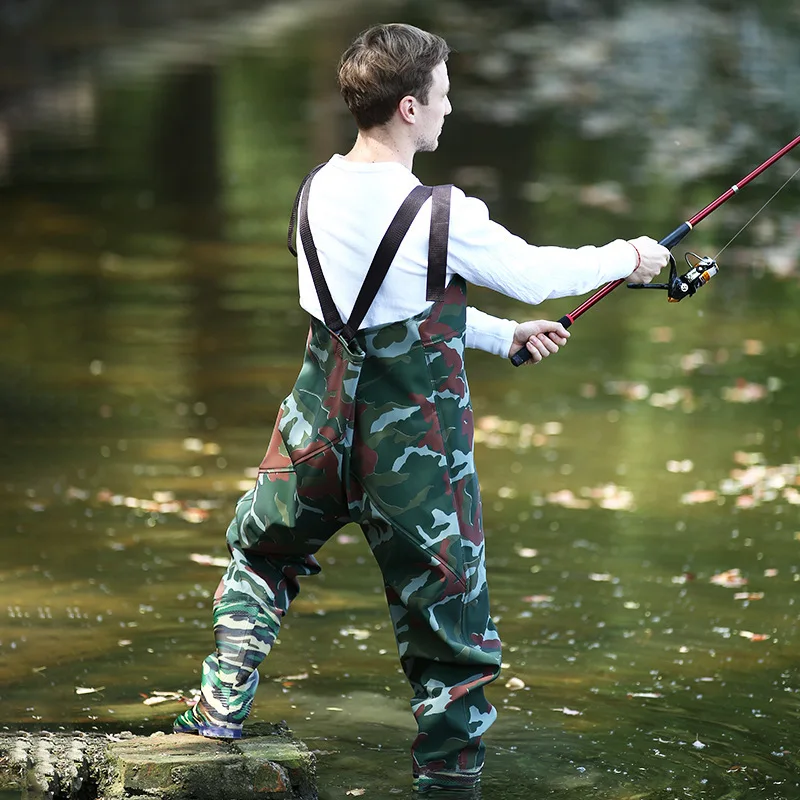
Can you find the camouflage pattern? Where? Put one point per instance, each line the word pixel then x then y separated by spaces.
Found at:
pixel 379 432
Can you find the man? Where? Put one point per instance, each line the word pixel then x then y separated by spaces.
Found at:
pixel 378 429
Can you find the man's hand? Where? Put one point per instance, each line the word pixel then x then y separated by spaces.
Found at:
pixel 651 259
pixel 541 337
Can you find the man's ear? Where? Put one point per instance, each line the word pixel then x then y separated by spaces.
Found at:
pixel 407 109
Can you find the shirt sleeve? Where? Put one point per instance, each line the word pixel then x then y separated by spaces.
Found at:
pixel 492 334
pixel 487 254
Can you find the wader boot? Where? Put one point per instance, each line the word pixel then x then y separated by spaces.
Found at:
pixel 378 430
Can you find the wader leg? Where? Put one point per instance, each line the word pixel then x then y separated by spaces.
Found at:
pixel 252 597
pixel 449 651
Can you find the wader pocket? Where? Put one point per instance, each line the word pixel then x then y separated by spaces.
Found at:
pixel 298 501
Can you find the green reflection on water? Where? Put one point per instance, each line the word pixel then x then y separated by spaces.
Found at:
pixel 150 333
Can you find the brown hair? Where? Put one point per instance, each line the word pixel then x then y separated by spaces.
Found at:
pixel 385 64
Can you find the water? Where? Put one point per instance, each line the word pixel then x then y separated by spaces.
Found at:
pixel 150 328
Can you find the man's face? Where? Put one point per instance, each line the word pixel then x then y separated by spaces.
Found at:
pixel 431 116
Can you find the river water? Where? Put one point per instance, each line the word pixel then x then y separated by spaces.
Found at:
pixel 641 488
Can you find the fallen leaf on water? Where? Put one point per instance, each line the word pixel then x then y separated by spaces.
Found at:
pixel 694 360
pixel 699 496
pixel 570 712
pixel 748 596
pixel 155 698
pixel 357 633
pixel 748 459
pixel 194 515
pixel 209 561
pixel 355 792
pixel 537 598
pixel 299 677
pixel 730 579
pixel 754 637
pixel 567 499
pixel 744 392
pixel 630 390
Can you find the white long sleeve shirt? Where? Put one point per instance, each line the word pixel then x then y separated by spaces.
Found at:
pixel 351 205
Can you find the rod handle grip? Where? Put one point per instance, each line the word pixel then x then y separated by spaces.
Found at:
pixel 523 354
pixel 671 239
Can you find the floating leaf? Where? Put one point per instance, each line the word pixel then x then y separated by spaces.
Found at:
pixel 359 634
pixel 699 496
pixel 194 515
pixel 209 561
pixel 567 499
pixel 355 792
pixel 744 392
pixel 538 598
pixel 748 596
pixel 730 579
pixel 754 637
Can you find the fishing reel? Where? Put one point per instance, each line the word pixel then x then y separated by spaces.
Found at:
pixel 700 272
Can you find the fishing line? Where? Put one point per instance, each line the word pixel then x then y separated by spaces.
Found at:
pixel 797 171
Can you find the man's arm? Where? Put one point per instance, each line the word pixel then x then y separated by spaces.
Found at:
pixel 486 254
pixel 504 336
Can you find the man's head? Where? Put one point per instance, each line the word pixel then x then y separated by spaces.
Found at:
pixel 397 67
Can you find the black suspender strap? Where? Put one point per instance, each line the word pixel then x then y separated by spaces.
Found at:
pixel 384 255
pixel 386 252
pixel 330 314
pixel 437 244
pixel 293 219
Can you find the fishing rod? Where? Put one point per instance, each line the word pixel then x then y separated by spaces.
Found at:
pixel 700 271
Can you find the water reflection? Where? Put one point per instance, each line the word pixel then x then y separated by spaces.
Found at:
pixel 150 327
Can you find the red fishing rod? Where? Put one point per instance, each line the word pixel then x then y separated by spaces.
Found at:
pixel 701 270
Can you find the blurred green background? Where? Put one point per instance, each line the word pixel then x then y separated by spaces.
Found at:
pixel 641 488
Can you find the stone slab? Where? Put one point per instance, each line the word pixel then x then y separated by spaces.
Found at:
pixel 162 766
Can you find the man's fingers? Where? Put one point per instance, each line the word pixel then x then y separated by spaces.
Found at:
pixel 559 340
pixel 542 344
pixel 550 344
pixel 536 354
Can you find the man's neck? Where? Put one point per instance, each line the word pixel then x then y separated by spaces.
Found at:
pixel 378 145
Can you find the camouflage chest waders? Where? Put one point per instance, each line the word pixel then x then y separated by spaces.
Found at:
pixel 378 430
